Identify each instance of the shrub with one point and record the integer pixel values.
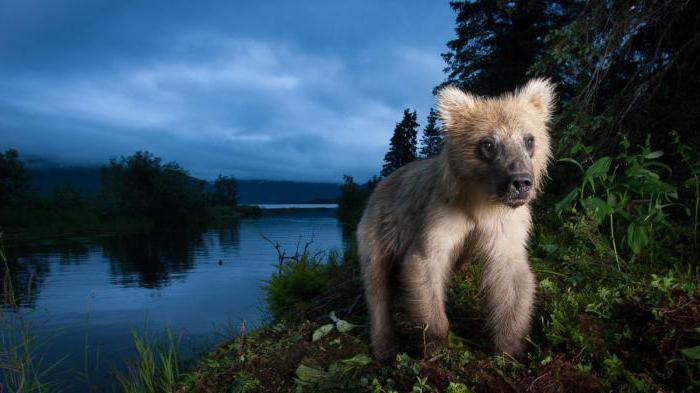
(297, 281)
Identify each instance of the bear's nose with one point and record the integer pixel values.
(521, 183)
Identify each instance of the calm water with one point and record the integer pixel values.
(96, 290)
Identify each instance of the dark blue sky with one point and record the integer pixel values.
(297, 90)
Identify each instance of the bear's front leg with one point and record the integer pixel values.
(424, 282)
(510, 290)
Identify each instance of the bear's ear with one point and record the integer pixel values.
(539, 93)
(453, 104)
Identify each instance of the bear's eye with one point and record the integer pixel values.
(487, 148)
(529, 142)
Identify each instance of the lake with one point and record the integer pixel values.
(86, 295)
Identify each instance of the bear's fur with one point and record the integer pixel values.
(469, 203)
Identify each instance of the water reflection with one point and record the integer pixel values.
(150, 261)
(96, 290)
(145, 260)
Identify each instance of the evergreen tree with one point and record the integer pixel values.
(498, 41)
(403, 143)
(431, 142)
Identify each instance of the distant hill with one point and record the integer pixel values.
(273, 191)
(45, 180)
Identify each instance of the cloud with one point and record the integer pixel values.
(220, 101)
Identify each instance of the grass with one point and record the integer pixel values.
(21, 366)
(156, 367)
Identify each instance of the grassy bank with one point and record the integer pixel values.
(596, 327)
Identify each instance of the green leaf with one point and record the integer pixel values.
(454, 341)
(564, 203)
(571, 160)
(654, 154)
(309, 375)
(357, 360)
(322, 332)
(344, 326)
(341, 325)
(693, 353)
(637, 237)
(597, 207)
(599, 168)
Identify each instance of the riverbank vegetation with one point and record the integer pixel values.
(136, 194)
(615, 241)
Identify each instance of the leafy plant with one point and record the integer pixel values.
(297, 281)
(625, 192)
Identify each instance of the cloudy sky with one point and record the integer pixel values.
(295, 90)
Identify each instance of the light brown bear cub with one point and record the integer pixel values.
(468, 204)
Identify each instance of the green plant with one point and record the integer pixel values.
(21, 365)
(690, 158)
(156, 369)
(626, 193)
(298, 280)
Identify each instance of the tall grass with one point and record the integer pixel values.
(21, 368)
(156, 368)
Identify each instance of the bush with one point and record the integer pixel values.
(298, 280)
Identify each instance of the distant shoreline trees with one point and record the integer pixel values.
(139, 186)
(13, 180)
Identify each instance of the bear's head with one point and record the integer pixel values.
(499, 147)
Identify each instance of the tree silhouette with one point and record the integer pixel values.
(12, 177)
(141, 185)
(226, 190)
(431, 142)
(403, 143)
(497, 41)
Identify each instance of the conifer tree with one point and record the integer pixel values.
(403, 143)
(498, 41)
(431, 142)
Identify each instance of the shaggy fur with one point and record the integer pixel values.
(466, 204)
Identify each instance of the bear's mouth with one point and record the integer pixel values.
(515, 199)
(515, 202)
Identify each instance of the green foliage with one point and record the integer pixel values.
(627, 193)
(402, 148)
(624, 65)
(298, 280)
(156, 368)
(691, 159)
